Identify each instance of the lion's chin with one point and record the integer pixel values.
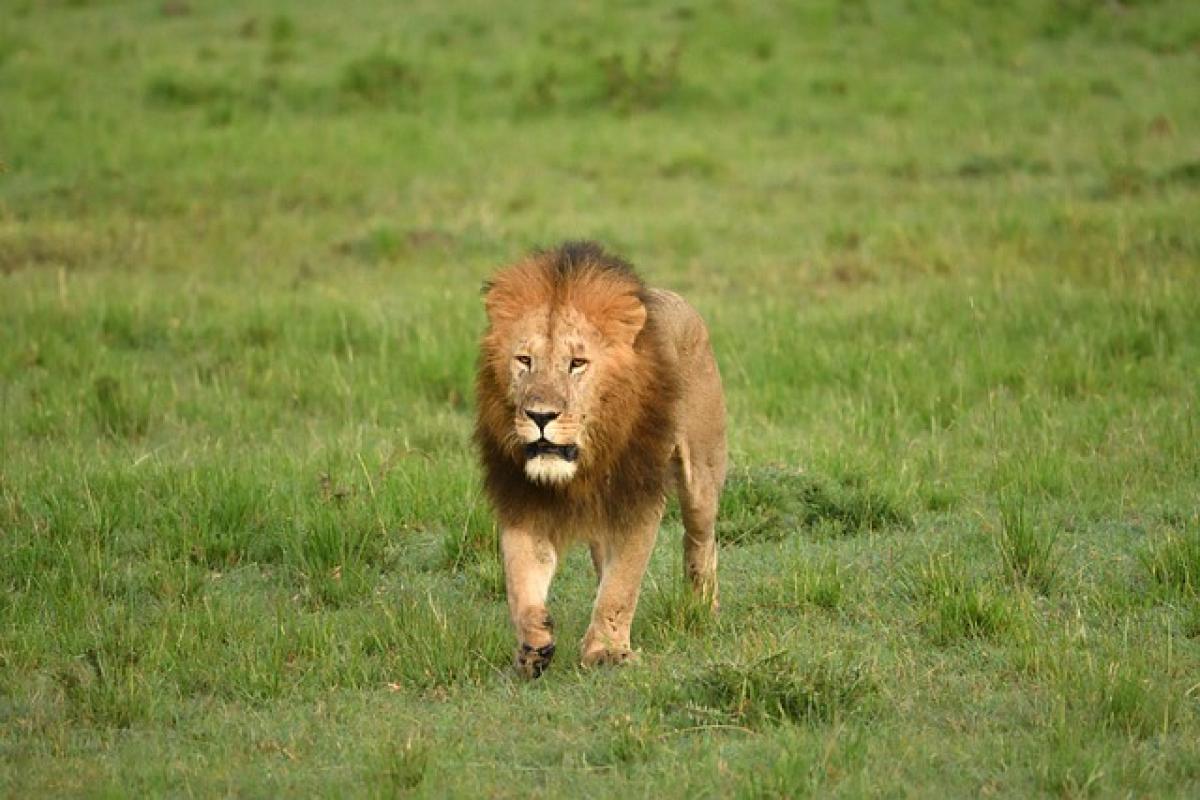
(549, 469)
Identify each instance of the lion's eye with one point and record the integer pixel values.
(578, 364)
(525, 361)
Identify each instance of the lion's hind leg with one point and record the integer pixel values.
(597, 551)
(699, 482)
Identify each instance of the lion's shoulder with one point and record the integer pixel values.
(680, 326)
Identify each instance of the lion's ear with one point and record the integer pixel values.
(514, 291)
(500, 303)
(624, 319)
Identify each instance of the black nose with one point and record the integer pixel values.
(541, 418)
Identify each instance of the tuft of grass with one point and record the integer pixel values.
(433, 643)
(380, 244)
(1072, 765)
(542, 93)
(1123, 697)
(487, 579)
(822, 585)
(986, 166)
(1027, 551)
(809, 763)
(282, 29)
(775, 689)
(672, 609)
(175, 90)
(336, 555)
(692, 165)
(118, 413)
(475, 539)
(1124, 180)
(67, 249)
(380, 79)
(938, 497)
(1173, 562)
(771, 503)
(107, 690)
(957, 607)
(229, 523)
(630, 740)
(1190, 626)
(1185, 173)
(641, 83)
(401, 767)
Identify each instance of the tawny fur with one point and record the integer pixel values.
(645, 411)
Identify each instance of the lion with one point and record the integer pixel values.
(596, 397)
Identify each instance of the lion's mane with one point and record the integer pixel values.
(631, 419)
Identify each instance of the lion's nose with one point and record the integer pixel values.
(541, 418)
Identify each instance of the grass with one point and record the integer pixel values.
(948, 261)
(403, 766)
(1173, 562)
(1027, 551)
(774, 689)
(773, 503)
(957, 607)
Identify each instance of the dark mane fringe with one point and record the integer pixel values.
(573, 257)
(633, 480)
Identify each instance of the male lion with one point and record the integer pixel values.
(596, 395)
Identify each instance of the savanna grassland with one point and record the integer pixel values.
(950, 256)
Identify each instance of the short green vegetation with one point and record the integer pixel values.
(950, 256)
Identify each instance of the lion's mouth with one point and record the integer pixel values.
(544, 447)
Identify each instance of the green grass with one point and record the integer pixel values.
(773, 689)
(957, 607)
(1026, 550)
(1173, 562)
(948, 256)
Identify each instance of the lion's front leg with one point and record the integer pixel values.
(624, 557)
(529, 564)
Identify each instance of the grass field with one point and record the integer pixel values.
(950, 256)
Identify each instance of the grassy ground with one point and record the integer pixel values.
(949, 255)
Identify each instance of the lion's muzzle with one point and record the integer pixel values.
(544, 447)
(549, 463)
(550, 438)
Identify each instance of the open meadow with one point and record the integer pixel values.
(950, 256)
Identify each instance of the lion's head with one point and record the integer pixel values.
(568, 366)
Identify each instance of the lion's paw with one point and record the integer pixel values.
(610, 656)
(532, 661)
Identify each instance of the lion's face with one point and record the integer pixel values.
(553, 365)
(557, 359)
